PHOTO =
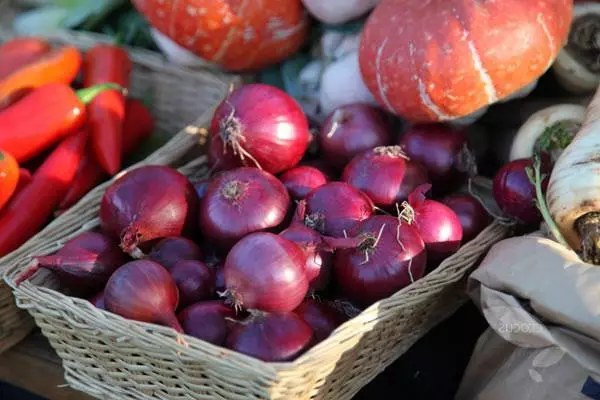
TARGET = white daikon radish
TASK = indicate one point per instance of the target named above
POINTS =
(335, 45)
(573, 194)
(338, 11)
(550, 130)
(175, 53)
(577, 67)
(342, 84)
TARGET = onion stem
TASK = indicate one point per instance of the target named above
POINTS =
(535, 176)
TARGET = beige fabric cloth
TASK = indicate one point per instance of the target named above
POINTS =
(543, 306)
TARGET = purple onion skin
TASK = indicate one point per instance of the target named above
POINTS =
(272, 337)
(208, 321)
(301, 180)
(321, 317)
(171, 250)
(473, 217)
(195, 281)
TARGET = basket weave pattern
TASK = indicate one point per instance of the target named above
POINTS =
(177, 97)
(111, 357)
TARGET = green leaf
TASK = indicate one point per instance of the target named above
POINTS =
(40, 21)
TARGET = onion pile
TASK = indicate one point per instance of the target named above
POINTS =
(233, 261)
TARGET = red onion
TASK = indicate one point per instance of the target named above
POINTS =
(514, 192)
(220, 159)
(336, 207)
(383, 257)
(148, 203)
(272, 337)
(473, 217)
(301, 180)
(266, 272)
(320, 316)
(240, 202)
(84, 262)
(144, 291)
(262, 126)
(98, 301)
(350, 130)
(437, 224)
(319, 256)
(220, 278)
(207, 321)
(195, 281)
(172, 249)
(330, 173)
(385, 175)
(443, 152)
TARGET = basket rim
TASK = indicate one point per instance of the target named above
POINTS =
(433, 282)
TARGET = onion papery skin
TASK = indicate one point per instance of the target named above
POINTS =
(515, 194)
(148, 203)
(195, 281)
(471, 214)
(336, 207)
(443, 152)
(321, 317)
(390, 265)
(350, 130)
(84, 263)
(144, 291)
(301, 180)
(208, 321)
(170, 250)
(240, 202)
(272, 337)
(266, 272)
(437, 224)
(262, 126)
(385, 175)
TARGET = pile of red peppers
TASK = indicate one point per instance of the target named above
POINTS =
(57, 142)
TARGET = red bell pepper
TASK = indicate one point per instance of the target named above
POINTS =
(57, 66)
(43, 117)
(107, 63)
(29, 209)
(18, 52)
(138, 125)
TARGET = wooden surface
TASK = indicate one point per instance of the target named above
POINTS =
(34, 366)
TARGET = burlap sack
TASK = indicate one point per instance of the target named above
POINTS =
(543, 305)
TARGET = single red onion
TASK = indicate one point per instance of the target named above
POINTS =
(336, 207)
(240, 202)
(437, 224)
(385, 175)
(515, 194)
(272, 337)
(168, 251)
(319, 256)
(148, 203)
(83, 263)
(473, 217)
(320, 316)
(98, 301)
(144, 291)
(350, 130)
(195, 281)
(444, 153)
(209, 321)
(266, 272)
(382, 257)
(220, 278)
(301, 180)
(262, 126)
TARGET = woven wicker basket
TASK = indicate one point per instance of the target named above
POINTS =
(110, 357)
(178, 96)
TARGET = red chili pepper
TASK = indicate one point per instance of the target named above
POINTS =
(28, 211)
(106, 63)
(42, 118)
(24, 180)
(57, 66)
(138, 125)
(18, 52)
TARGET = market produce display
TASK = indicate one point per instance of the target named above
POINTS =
(265, 261)
(72, 136)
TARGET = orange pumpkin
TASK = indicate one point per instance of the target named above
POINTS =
(236, 34)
